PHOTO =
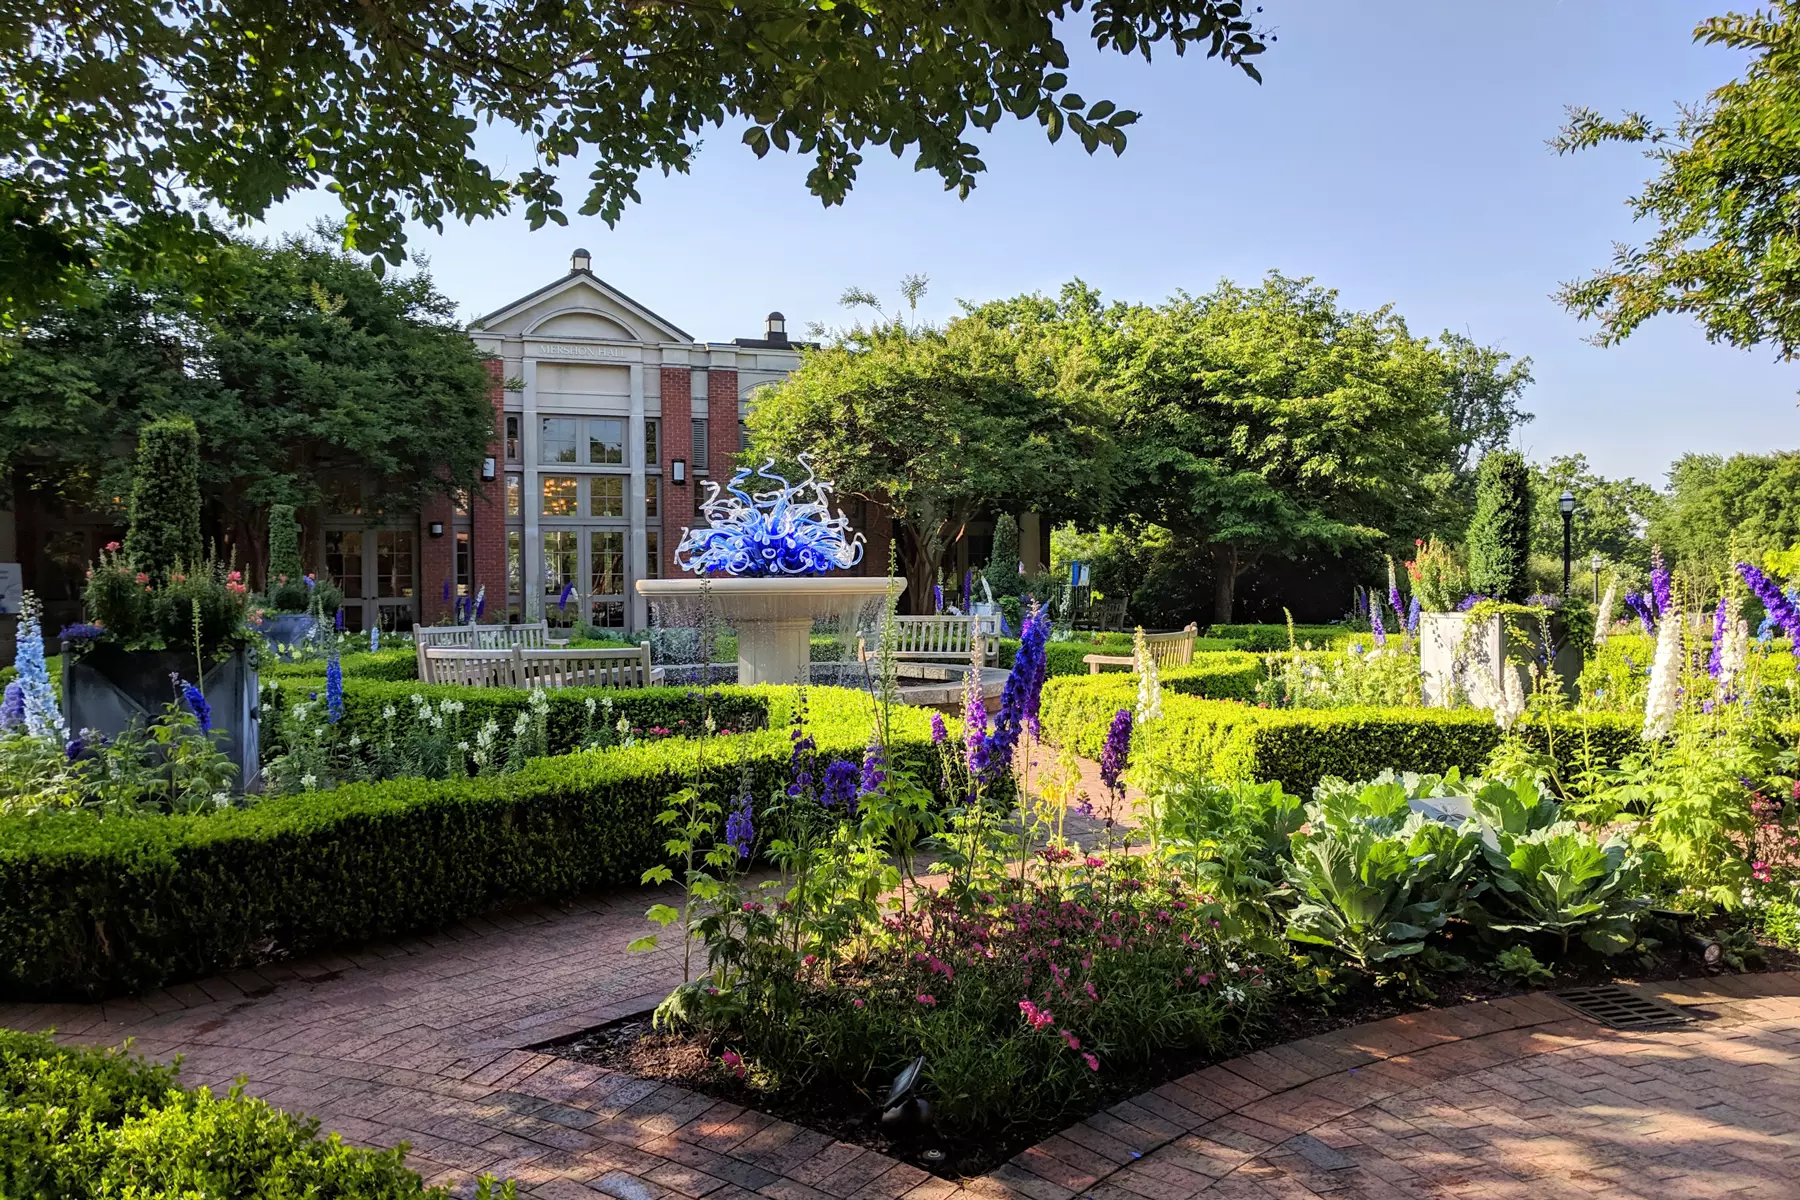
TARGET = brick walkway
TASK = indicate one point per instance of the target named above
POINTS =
(419, 1042)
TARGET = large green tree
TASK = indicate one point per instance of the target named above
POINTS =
(1723, 508)
(317, 371)
(1264, 420)
(1724, 205)
(130, 121)
(1612, 516)
(941, 425)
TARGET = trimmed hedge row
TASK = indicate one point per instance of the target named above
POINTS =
(83, 1122)
(1298, 747)
(93, 907)
(395, 665)
(677, 709)
(1275, 637)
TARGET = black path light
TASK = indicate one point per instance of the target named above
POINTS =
(904, 1110)
(1567, 504)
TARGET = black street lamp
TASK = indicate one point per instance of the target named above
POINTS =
(1567, 504)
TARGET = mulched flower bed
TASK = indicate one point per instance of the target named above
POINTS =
(631, 1046)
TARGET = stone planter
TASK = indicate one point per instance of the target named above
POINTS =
(107, 690)
(1462, 659)
(288, 634)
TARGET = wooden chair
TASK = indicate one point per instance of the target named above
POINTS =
(941, 639)
(615, 667)
(1167, 650)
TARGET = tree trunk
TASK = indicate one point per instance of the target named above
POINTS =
(1225, 573)
(921, 570)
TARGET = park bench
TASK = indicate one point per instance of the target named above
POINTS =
(943, 639)
(1166, 650)
(545, 667)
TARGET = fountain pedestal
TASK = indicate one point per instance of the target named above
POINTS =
(773, 615)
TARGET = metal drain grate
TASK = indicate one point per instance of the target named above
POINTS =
(1610, 1004)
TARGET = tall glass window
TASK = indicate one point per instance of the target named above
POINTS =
(652, 442)
(560, 495)
(394, 562)
(562, 566)
(515, 495)
(465, 563)
(515, 562)
(700, 449)
(606, 441)
(606, 495)
(556, 440)
(653, 553)
(344, 561)
(652, 496)
(512, 437)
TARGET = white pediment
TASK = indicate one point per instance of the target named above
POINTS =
(580, 305)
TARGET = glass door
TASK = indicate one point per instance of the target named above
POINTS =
(606, 578)
(562, 577)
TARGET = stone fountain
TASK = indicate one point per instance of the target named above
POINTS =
(761, 564)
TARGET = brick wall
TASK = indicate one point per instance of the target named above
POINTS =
(437, 560)
(677, 442)
(487, 510)
(722, 422)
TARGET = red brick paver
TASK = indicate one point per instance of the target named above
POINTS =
(421, 1041)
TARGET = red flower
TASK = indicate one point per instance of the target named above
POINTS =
(926, 1000)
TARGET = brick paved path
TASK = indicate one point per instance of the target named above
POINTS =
(419, 1041)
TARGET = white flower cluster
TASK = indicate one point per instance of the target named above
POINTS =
(1149, 697)
(1664, 700)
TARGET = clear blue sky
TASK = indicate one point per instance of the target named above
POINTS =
(1395, 152)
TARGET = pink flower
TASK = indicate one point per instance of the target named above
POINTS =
(809, 960)
(112, 547)
(858, 1002)
(1073, 1041)
(926, 999)
(733, 1062)
(1760, 872)
(1037, 1017)
(1091, 861)
(1092, 1062)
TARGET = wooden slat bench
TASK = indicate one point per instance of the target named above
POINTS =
(1166, 649)
(942, 639)
(525, 667)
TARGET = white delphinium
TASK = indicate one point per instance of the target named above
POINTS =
(1664, 699)
(1149, 697)
(1510, 704)
(1603, 618)
(1734, 652)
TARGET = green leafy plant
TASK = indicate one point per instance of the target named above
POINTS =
(1562, 881)
(164, 531)
(1518, 964)
(1500, 529)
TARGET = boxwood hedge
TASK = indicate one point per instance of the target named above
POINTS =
(82, 1122)
(1298, 747)
(92, 907)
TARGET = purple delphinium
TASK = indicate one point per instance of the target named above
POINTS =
(1115, 756)
(73, 747)
(1636, 603)
(196, 700)
(740, 829)
(1024, 686)
(840, 784)
(937, 597)
(1394, 599)
(1715, 662)
(1376, 627)
(968, 579)
(1412, 615)
(446, 591)
(12, 707)
(800, 762)
(874, 767)
(81, 633)
(939, 734)
(334, 688)
(1781, 610)
(568, 594)
(975, 737)
(481, 604)
(1469, 602)
(1660, 580)
(338, 620)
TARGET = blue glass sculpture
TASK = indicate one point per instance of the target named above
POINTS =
(790, 530)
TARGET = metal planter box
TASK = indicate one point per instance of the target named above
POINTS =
(107, 689)
(1461, 659)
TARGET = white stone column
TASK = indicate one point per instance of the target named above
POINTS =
(532, 556)
(636, 613)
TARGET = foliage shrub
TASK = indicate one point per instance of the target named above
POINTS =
(145, 611)
(1499, 544)
(79, 1122)
(1259, 638)
(92, 907)
(164, 530)
(397, 665)
(1299, 747)
(286, 585)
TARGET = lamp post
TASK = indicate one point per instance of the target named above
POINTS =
(1567, 504)
(1597, 564)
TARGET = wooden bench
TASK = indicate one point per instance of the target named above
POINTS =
(526, 667)
(941, 639)
(478, 637)
(1103, 616)
(1166, 650)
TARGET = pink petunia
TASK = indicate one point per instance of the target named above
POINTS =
(1092, 1062)
(1073, 1041)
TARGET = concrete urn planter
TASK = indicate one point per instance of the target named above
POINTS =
(1465, 658)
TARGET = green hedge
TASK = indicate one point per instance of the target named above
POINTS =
(673, 708)
(1066, 658)
(1275, 637)
(95, 907)
(396, 665)
(1298, 747)
(80, 1122)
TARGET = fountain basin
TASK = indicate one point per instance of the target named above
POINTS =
(773, 615)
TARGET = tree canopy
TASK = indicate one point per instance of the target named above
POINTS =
(1721, 509)
(1612, 516)
(942, 425)
(1726, 246)
(318, 371)
(135, 122)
